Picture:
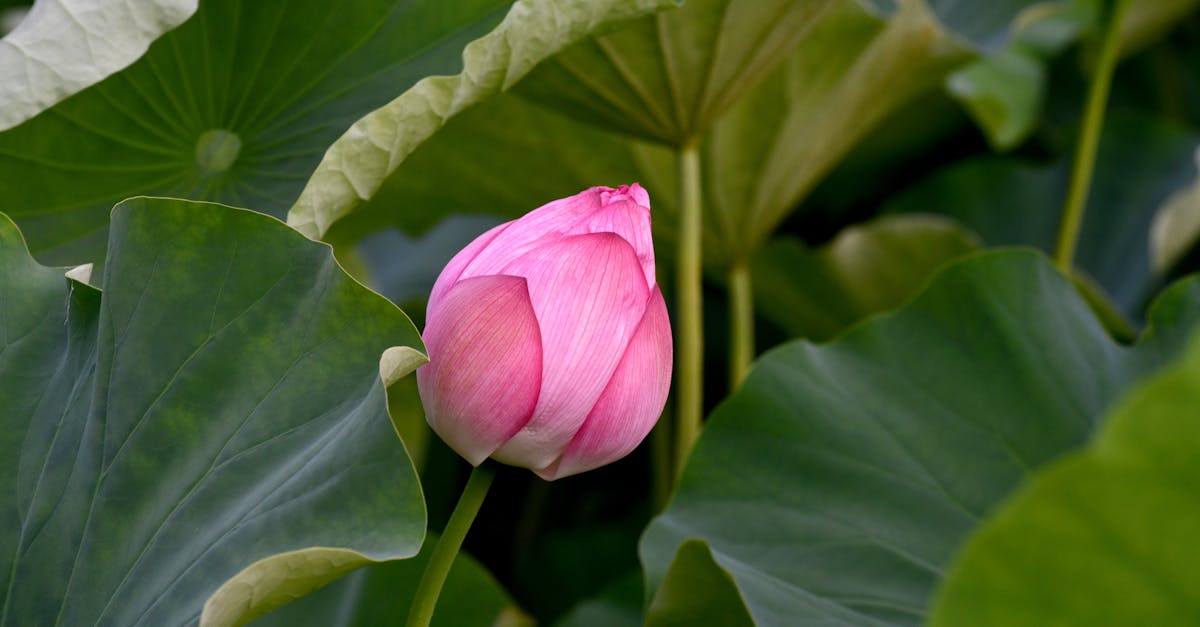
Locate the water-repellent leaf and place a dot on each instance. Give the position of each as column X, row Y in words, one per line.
column 63, row 46
column 1141, row 163
column 835, row 485
column 219, row 402
column 1104, row 537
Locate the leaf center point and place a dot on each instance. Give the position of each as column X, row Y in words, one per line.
column 216, row 150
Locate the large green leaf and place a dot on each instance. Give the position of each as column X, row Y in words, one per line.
column 835, row 485
column 62, row 47
column 381, row 594
column 847, row 74
column 866, row 269
column 236, row 106
column 239, row 104
column 1104, row 537
column 1140, row 164
column 219, row 403
column 847, row 70
column 668, row 77
column 359, row 161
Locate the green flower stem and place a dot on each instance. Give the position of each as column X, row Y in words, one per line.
column 689, row 349
column 741, row 323
column 423, row 604
column 1089, row 138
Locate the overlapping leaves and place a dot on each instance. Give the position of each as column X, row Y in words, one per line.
column 835, row 486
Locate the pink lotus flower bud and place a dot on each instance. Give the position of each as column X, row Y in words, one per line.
column 549, row 342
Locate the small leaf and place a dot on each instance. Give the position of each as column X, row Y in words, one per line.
column 697, row 591
column 866, row 269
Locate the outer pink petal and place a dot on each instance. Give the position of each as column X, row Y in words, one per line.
column 485, row 365
column 624, row 211
column 589, row 295
column 453, row 270
column 631, row 403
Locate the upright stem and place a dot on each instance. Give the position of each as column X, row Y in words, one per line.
column 1089, row 138
column 421, row 610
column 741, row 323
column 690, row 348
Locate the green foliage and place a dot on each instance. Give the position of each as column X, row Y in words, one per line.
column 866, row 269
column 218, row 403
column 280, row 81
column 202, row 426
column 92, row 38
column 1141, row 164
column 1103, row 536
column 836, row 484
column 381, row 593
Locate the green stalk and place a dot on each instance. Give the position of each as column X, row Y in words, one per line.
column 741, row 323
column 689, row 350
column 1089, row 138
column 425, row 601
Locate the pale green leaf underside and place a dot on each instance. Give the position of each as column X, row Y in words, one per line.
column 218, row 403
column 64, row 46
column 837, row 483
column 380, row 594
column 1105, row 537
column 355, row 166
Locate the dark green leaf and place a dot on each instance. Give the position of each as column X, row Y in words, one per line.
column 836, row 484
column 239, row 104
column 218, row 404
column 1104, row 537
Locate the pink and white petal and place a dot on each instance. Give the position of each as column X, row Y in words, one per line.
column 589, row 296
column 482, row 381
column 624, row 211
column 631, row 403
column 453, row 270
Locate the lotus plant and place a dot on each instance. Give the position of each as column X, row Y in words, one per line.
column 549, row 344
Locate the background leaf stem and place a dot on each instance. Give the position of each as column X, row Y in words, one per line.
column 1089, row 137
